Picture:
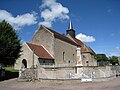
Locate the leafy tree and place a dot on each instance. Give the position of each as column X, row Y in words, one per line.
column 9, row 44
column 113, row 60
column 101, row 59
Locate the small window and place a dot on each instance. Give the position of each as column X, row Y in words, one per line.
column 73, row 57
column 75, row 69
column 63, row 56
column 44, row 61
column 69, row 61
column 84, row 56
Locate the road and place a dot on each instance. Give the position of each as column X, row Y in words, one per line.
column 14, row 85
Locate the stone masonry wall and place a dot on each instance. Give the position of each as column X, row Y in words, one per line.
column 70, row 52
column 45, row 38
column 90, row 58
column 26, row 54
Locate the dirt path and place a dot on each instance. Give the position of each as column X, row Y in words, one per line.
column 14, row 85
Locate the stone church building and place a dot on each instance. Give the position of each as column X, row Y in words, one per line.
column 49, row 47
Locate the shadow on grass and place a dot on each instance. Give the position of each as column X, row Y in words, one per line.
column 9, row 75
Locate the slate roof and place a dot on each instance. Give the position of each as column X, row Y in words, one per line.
column 84, row 48
column 74, row 41
column 60, row 36
column 40, row 51
column 79, row 42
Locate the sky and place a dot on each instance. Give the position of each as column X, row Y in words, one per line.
column 96, row 22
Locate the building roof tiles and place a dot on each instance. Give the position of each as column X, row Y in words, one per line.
column 40, row 51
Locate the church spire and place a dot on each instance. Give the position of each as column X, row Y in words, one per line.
column 70, row 25
column 70, row 30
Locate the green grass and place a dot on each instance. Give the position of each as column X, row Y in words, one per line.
column 11, row 69
column 10, row 73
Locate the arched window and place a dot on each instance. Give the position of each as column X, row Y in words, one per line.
column 24, row 62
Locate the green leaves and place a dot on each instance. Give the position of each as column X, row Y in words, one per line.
column 9, row 44
column 103, row 60
column 101, row 57
column 113, row 60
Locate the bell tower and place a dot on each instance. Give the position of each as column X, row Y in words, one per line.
column 70, row 30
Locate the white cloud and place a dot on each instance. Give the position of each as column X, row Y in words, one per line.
column 20, row 20
column 85, row 38
column 52, row 10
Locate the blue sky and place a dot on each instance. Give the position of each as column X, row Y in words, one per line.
column 97, row 22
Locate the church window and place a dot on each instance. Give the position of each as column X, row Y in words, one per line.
column 84, row 56
column 43, row 61
column 69, row 61
column 73, row 57
column 63, row 56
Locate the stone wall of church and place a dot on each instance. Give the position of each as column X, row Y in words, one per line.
column 27, row 55
column 65, row 53
column 88, row 60
column 45, row 38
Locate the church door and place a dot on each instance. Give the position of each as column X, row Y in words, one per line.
column 24, row 62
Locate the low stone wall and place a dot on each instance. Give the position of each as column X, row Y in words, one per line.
column 28, row 73
column 103, row 79
column 66, row 74
column 73, row 81
column 60, row 81
column 99, row 72
column 56, row 73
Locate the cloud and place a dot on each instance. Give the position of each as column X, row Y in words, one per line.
column 20, row 20
column 51, row 11
column 85, row 38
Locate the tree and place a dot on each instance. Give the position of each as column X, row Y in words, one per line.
column 101, row 59
column 9, row 44
column 113, row 60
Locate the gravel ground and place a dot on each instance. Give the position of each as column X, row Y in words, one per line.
column 14, row 85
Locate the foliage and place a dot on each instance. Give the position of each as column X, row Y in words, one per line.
column 101, row 57
column 9, row 44
column 113, row 60
column 102, row 60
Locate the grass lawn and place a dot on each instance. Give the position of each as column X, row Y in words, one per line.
column 11, row 69
column 10, row 73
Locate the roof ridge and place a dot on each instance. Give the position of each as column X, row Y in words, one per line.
column 47, row 51
column 73, row 39
column 33, row 44
column 60, row 36
column 79, row 40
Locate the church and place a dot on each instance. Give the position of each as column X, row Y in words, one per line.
column 49, row 47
